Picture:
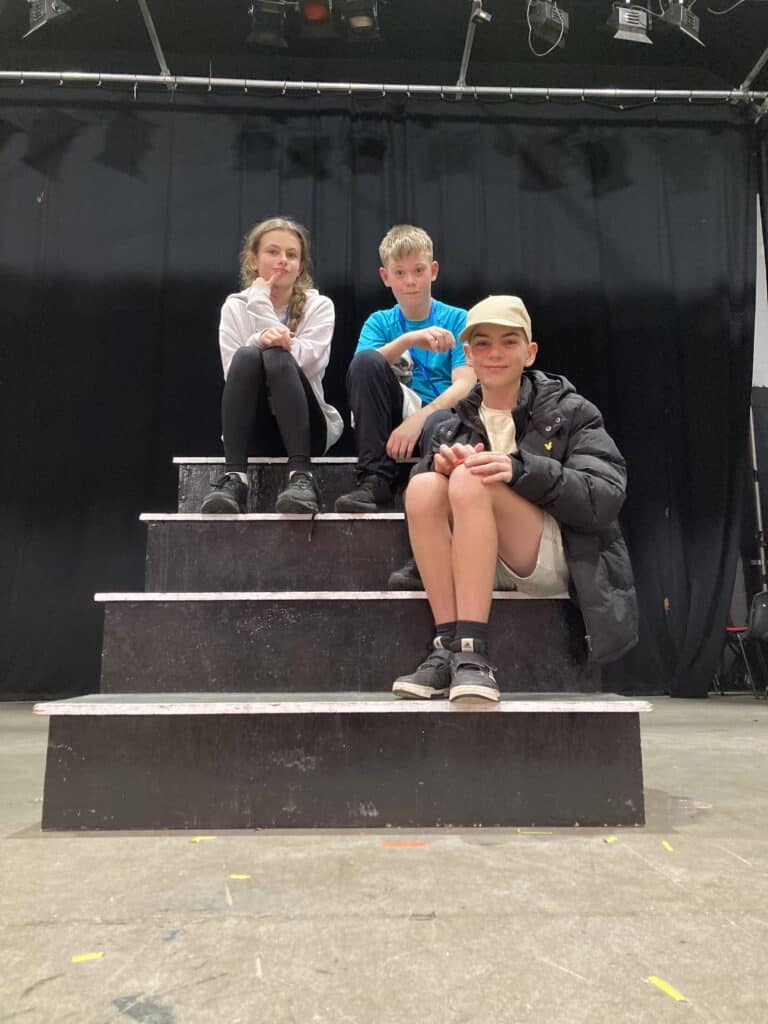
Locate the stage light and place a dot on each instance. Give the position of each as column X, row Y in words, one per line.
column 478, row 15
column 678, row 14
column 43, row 11
column 630, row 22
column 317, row 19
column 547, row 23
column 268, row 19
column 361, row 18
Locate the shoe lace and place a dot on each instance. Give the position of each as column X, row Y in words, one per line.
column 303, row 481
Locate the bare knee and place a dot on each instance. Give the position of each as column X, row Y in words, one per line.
column 466, row 489
column 426, row 492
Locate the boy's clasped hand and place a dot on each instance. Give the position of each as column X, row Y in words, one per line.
column 491, row 467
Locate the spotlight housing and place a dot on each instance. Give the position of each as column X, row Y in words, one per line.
column 43, row 11
column 268, row 21
column 317, row 20
column 548, row 22
column 360, row 19
column 630, row 23
column 678, row 14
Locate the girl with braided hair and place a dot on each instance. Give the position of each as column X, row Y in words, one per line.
column 275, row 341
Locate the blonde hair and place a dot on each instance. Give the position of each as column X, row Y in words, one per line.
column 303, row 282
column 402, row 240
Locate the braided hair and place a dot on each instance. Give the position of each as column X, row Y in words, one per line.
column 298, row 298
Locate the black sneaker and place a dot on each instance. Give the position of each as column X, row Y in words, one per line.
column 407, row 577
column 300, row 496
column 431, row 679
column 229, row 496
column 472, row 678
column 371, row 493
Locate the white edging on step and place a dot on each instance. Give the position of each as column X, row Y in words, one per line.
column 200, row 517
column 302, row 595
column 335, row 703
column 277, row 460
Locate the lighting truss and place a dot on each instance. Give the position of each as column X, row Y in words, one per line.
column 268, row 21
column 630, row 22
column 547, row 23
column 679, row 14
column 43, row 11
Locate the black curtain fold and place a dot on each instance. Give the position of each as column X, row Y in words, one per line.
column 630, row 234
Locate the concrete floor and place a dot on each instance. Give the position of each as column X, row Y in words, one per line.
column 463, row 926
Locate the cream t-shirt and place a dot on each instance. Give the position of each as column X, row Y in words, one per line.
column 500, row 428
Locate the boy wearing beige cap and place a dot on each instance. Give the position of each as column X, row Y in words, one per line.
column 521, row 490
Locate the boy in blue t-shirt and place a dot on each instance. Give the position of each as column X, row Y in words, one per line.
column 406, row 367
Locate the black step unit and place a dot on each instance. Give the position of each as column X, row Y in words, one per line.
column 267, row 477
column 321, row 642
column 273, row 552
column 272, row 761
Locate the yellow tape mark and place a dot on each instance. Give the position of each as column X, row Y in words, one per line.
column 530, row 832
column 227, row 895
column 667, row 988
column 82, row 957
column 259, row 973
column 239, row 878
column 611, row 839
column 202, row 839
column 667, row 846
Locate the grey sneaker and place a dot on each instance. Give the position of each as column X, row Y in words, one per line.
column 371, row 493
column 472, row 678
column 300, row 497
column 407, row 577
column 228, row 496
column 431, row 679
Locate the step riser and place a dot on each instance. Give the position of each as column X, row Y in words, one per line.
column 324, row 645
column 266, row 481
column 274, row 555
column 343, row 771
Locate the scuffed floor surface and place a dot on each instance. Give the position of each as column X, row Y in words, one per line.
column 387, row 927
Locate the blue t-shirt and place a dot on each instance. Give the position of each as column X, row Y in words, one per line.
column 431, row 370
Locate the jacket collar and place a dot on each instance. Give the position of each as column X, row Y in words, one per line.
column 468, row 409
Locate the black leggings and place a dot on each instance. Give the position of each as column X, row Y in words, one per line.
column 269, row 408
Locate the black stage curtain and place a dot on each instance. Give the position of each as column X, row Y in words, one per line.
column 631, row 235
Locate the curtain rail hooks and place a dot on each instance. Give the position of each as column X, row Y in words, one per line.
column 99, row 83
column 245, row 86
column 285, row 87
column 512, row 95
column 210, row 73
column 61, row 80
column 135, row 88
column 583, row 97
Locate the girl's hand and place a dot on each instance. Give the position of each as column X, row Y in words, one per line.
column 491, row 467
column 448, row 458
column 276, row 337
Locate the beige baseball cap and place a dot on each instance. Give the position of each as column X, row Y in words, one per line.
column 508, row 310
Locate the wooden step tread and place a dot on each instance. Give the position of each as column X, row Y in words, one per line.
column 331, row 703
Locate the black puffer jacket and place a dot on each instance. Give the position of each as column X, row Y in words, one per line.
column 568, row 465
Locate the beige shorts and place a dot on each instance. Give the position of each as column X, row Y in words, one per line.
column 550, row 576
